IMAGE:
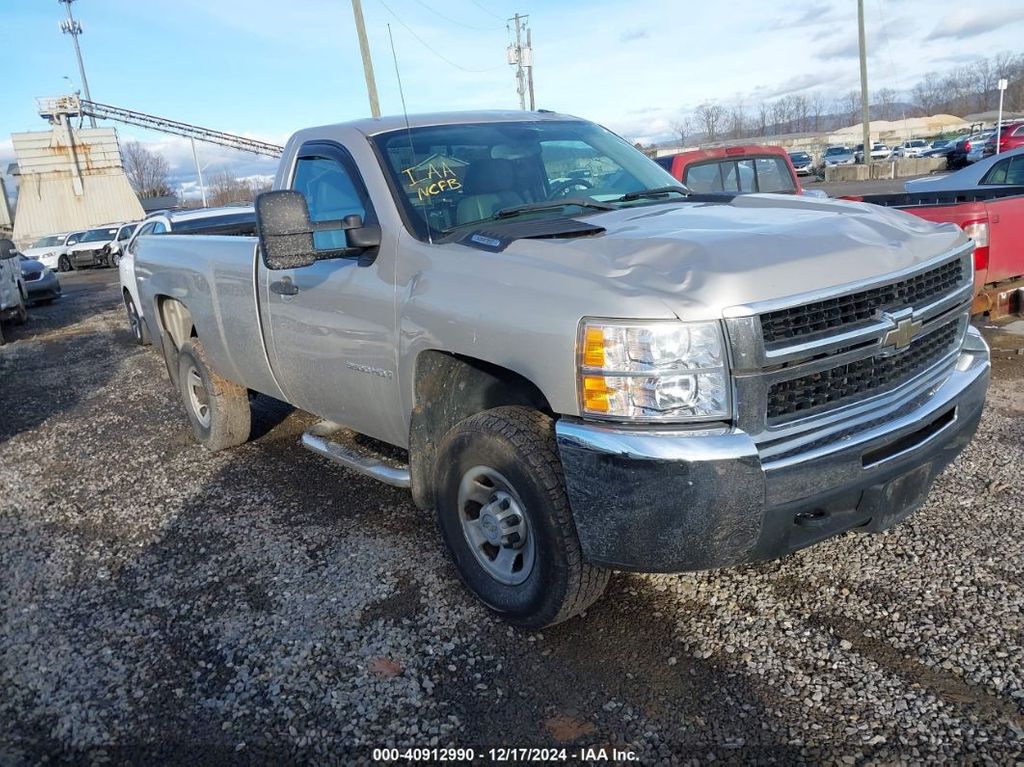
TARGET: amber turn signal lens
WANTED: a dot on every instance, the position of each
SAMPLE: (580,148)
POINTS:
(595,394)
(593,348)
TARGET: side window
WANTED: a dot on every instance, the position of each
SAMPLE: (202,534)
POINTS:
(997,175)
(1019,131)
(331,194)
(1015,174)
(158,228)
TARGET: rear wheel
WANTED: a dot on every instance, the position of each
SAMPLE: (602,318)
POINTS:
(503,512)
(217,408)
(139,330)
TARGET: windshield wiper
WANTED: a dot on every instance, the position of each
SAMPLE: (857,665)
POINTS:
(660,191)
(567,202)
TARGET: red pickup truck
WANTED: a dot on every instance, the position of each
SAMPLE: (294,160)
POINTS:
(736,169)
(994,218)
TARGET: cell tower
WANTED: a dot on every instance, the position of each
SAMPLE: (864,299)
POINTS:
(71,26)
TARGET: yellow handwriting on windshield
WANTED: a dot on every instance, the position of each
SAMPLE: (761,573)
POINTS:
(432,179)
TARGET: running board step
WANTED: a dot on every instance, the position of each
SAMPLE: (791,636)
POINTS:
(343,446)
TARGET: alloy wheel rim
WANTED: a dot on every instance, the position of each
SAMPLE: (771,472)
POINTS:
(495,526)
(198,398)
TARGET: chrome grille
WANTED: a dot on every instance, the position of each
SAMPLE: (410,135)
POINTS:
(791,324)
(811,393)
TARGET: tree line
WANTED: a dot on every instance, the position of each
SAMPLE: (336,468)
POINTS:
(149,175)
(964,90)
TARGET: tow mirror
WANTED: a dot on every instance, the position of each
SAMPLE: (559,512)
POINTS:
(285,232)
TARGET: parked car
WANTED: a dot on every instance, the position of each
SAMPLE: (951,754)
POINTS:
(879,151)
(982,148)
(604,374)
(124,233)
(915,147)
(754,168)
(1006,169)
(803,163)
(41,283)
(838,155)
(224,221)
(52,250)
(93,247)
(12,287)
(1011,137)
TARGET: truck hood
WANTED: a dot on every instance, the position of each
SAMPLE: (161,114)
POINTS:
(702,258)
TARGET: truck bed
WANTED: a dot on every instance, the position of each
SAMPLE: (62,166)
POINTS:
(1000,210)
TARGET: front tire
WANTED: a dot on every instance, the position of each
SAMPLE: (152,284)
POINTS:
(64,264)
(217,408)
(503,512)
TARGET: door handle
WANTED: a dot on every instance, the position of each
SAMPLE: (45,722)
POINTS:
(285,287)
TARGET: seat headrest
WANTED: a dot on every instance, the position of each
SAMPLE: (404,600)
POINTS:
(487,176)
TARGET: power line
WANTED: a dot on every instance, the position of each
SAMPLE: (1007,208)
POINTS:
(456,22)
(488,11)
(427,45)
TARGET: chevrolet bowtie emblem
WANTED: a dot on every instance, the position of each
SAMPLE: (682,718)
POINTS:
(901,334)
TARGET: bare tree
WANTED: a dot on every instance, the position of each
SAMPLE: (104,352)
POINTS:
(737,120)
(817,109)
(885,100)
(709,116)
(763,112)
(226,188)
(146,171)
(928,93)
(851,107)
(683,127)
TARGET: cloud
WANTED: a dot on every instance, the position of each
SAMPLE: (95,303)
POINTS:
(967,23)
(633,34)
(802,82)
(810,16)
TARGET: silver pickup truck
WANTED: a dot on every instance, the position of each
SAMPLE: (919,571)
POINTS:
(577,363)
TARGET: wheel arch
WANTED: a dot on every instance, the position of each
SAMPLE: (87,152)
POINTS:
(448,388)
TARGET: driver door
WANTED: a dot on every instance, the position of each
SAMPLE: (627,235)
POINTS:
(331,325)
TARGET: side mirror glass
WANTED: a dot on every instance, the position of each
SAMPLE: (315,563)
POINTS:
(285,232)
(7,249)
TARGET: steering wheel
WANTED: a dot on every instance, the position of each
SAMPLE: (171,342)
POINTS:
(559,189)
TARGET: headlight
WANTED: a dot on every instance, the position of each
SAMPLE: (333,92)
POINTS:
(652,371)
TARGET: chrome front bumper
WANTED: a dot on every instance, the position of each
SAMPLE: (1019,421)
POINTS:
(671,500)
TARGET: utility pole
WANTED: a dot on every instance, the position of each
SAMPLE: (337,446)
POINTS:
(199,171)
(1001,85)
(364,50)
(865,118)
(74,28)
(529,67)
(516,57)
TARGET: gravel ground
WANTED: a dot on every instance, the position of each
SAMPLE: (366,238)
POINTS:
(162,603)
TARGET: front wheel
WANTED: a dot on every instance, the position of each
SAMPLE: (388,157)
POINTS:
(217,408)
(504,515)
(64,264)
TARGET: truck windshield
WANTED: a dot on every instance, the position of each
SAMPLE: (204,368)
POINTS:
(449,176)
